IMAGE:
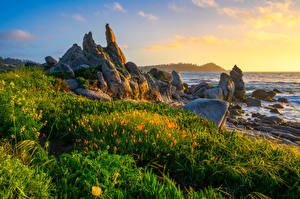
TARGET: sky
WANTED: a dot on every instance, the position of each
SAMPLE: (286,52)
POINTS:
(257,35)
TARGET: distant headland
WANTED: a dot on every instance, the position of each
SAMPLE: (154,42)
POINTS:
(186,67)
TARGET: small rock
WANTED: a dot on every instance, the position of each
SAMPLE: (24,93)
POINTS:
(253,102)
(50,61)
(177,81)
(72,83)
(275,110)
(276,91)
(239,85)
(283,100)
(277,106)
(264,95)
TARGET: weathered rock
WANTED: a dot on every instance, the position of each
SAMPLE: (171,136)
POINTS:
(50,61)
(227,86)
(139,76)
(264,95)
(165,90)
(279,106)
(253,102)
(240,88)
(98,95)
(72,83)
(177,81)
(214,93)
(275,110)
(161,75)
(213,110)
(101,81)
(199,89)
(74,57)
(64,68)
(134,87)
(115,53)
(153,92)
(283,100)
(275,90)
(78,67)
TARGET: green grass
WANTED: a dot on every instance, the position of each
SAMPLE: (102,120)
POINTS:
(158,151)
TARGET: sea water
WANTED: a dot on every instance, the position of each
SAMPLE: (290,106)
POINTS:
(288,83)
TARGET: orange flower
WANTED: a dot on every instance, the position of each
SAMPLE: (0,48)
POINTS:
(96,191)
(133,140)
(96,146)
(157,136)
(140,140)
(169,135)
(146,131)
(183,136)
(69,129)
(171,144)
(194,144)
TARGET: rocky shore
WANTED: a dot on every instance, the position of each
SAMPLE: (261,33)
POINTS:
(103,73)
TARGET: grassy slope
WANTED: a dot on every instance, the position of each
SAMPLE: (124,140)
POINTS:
(158,140)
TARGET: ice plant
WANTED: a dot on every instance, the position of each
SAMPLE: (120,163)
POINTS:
(96,191)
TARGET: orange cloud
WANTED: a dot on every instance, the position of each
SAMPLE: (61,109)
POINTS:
(163,47)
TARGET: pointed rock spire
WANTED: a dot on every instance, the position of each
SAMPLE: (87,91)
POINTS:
(110,37)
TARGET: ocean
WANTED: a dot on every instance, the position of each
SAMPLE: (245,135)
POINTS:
(288,83)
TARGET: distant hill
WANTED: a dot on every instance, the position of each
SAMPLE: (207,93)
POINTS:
(184,67)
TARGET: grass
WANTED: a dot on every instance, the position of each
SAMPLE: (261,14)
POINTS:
(135,150)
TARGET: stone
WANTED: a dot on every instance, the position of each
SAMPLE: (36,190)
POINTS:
(101,81)
(264,95)
(161,75)
(64,68)
(239,85)
(227,86)
(283,100)
(177,81)
(50,61)
(97,95)
(275,110)
(279,106)
(199,89)
(136,73)
(213,110)
(253,102)
(134,87)
(275,90)
(165,89)
(115,53)
(214,93)
(72,83)
(79,67)
(74,57)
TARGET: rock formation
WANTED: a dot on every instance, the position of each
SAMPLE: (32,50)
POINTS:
(236,75)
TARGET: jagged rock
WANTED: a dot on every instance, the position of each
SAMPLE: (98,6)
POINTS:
(177,81)
(253,102)
(275,90)
(50,61)
(264,95)
(82,66)
(74,57)
(227,86)
(115,53)
(240,88)
(214,93)
(213,110)
(134,87)
(153,92)
(279,106)
(283,100)
(166,90)
(101,81)
(99,95)
(275,110)
(137,74)
(199,89)
(72,83)
(95,54)
(161,75)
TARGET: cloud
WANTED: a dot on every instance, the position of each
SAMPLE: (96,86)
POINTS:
(176,8)
(148,16)
(125,47)
(17,36)
(205,3)
(265,36)
(118,7)
(78,17)
(163,47)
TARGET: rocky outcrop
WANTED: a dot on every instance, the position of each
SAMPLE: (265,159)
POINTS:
(227,86)
(64,68)
(74,57)
(72,83)
(50,61)
(264,95)
(213,110)
(252,102)
(177,81)
(236,75)
(161,75)
(101,81)
(214,93)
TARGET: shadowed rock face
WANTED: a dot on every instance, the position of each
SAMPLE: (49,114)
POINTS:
(240,88)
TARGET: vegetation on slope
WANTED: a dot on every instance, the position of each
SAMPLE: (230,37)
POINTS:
(127,150)
(185,67)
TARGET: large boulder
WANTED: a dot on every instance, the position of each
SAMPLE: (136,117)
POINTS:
(153,92)
(264,95)
(199,89)
(72,83)
(139,76)
(166,90)
(98,95)
(214,93)
(161,75)
(50,61)
(177,81)
(213,110)
(252,102)
(227,86)
(64,68)
(239,85)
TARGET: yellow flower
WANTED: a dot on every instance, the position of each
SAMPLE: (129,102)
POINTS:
(96,191)
(12,85)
